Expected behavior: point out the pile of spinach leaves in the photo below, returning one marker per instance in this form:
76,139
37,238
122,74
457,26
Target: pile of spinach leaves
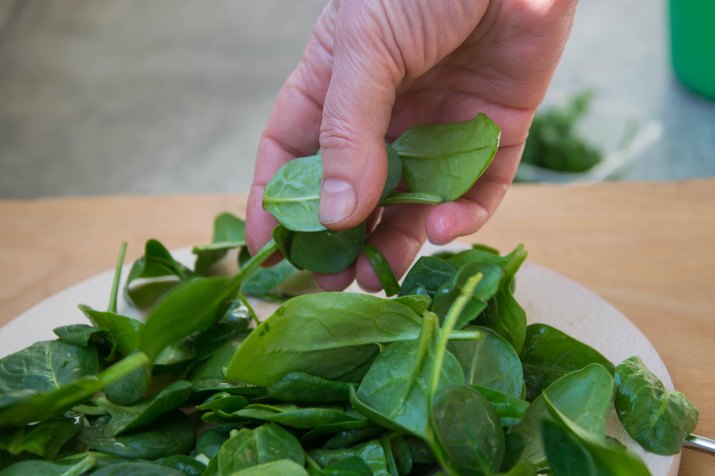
444,376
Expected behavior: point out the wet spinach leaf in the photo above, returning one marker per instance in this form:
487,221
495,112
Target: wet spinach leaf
137,468
446,159
187,465
429,273
549,353
330,335
47,468
283,467
653,416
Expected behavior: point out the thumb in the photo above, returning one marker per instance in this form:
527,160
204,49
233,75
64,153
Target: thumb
356,115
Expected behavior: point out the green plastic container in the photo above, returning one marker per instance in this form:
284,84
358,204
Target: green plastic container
692,37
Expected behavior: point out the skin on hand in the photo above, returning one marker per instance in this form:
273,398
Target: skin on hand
374,68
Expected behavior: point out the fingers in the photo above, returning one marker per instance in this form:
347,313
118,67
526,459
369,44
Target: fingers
356,115
470,212
293,127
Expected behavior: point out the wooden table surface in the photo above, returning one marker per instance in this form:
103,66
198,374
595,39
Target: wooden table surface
645,247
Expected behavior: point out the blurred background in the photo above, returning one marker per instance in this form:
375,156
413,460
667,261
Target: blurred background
130,96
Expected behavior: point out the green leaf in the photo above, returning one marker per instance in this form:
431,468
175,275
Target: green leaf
125,331
137,468
47,468
429,273
45,366
300,387
451,290
572,450
261,445
125,418
324,251
172,433
187,465
330,335
396,390
509,409
549,354
371,453
653,416
44,439
283,467
304,418
293,194
468,430
27,406
194,306
229,233
153,274
266,283
489,361
447,159
583,396
510,263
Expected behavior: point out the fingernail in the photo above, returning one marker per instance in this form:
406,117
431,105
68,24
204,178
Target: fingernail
337,201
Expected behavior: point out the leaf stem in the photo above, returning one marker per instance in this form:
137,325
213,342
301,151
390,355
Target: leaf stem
255,261
123,367
397,198
112,307
443,337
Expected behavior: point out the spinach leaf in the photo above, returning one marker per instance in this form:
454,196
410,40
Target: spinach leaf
80,335
653,416
371,453
210,441
44,439
446,159
171,433
45,366
350,466
125,418
336,417
394,171
131,387
229,233
47,468
555,144
153,274
137,468
261,445
395,392
583,396
428,273
123,330
489,361
300,387
266,283
451,290
348,438
293,194
330,335
186,465
549,353
28,405
509,409
324,251
510,263
572,450
468,430
282,467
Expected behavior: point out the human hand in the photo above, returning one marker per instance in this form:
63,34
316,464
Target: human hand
374,68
